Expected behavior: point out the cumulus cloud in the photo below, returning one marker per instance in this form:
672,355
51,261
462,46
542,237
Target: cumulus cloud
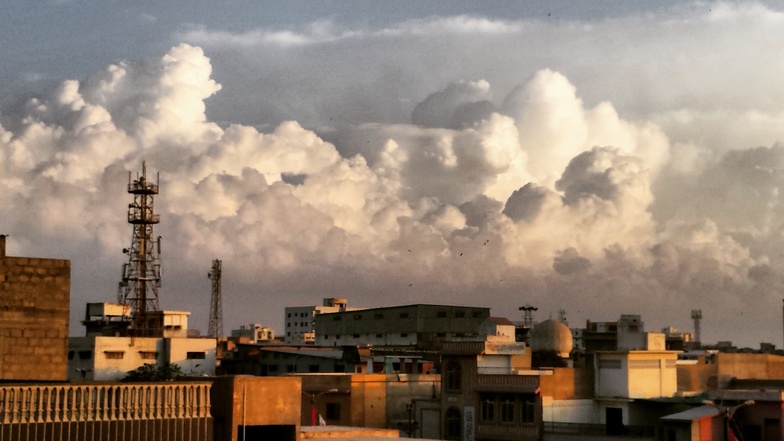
508,179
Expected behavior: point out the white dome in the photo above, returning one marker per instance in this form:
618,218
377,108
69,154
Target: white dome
551,336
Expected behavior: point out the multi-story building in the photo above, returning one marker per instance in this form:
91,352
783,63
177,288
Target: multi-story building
417,326
489,392
274,360
34,308
300,320
105,353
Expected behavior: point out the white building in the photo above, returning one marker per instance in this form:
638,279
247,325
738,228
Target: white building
300,320
107,353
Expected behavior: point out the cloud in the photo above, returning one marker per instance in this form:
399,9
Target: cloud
563,167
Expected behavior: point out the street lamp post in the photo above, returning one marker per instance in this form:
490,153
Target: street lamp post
728,412
313,408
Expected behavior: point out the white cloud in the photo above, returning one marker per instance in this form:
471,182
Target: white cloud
585,165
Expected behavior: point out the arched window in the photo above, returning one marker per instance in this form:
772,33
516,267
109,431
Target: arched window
453,424
453,375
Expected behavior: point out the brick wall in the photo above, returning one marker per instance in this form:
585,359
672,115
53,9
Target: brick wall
34,305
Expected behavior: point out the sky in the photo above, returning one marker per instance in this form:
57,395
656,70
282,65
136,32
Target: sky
603,157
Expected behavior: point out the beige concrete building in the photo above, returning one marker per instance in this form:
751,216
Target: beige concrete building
34,308
254,408
405,402
106,354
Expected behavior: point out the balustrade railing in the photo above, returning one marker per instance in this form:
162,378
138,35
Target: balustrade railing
62,407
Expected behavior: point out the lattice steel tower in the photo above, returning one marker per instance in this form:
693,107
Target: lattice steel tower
141,276
528,315
216,308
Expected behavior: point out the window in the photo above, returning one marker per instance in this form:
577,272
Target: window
528,409
403,315
460,314
453,375
453,424
379,335
487,408
357,316
333,411
70,355
476,314
196,355
355,335
148,355
404,335
273,368
288,315
337,318
290,368
85,355
114,355
340,368
378,315
440,334
326,336
313,368
441,314
507,408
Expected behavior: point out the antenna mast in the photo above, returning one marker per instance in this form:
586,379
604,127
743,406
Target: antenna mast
216,308
141,276
696,315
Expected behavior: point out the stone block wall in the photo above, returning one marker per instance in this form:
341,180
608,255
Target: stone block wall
34,308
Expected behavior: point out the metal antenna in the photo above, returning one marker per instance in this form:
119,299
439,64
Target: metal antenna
696,315
528,315
141,276
216,307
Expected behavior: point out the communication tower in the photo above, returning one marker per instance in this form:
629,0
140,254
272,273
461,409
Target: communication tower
216,308
696,315
528,315
141,275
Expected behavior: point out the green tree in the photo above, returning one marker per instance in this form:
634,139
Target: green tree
153,372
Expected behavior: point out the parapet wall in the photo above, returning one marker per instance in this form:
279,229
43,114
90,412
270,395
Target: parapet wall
34,306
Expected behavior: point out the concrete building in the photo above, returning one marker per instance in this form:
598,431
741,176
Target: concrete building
253,408
409,403
418,326
299,320
34,308
252,333
274,360
105,353
489,392
628,333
